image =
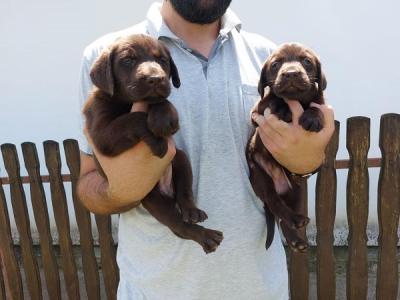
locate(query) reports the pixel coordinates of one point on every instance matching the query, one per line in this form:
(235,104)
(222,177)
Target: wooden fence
(358,140)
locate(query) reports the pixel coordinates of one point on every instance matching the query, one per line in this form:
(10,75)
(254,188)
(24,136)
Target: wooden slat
(299,276)
(41,214)
(345,163)
(388,207)
(325,212)
(358,141)
(2,286)
(108,256)
(59,200)
(21,215)
(90,268)
(339,164)
(9,260)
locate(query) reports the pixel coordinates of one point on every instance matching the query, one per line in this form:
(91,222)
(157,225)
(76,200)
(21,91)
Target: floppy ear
(263,82)
(176,81)
(101,72)
(173,73)
(321,79)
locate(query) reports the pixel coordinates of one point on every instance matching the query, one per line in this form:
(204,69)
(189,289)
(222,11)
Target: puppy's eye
(128,61)
(275,65)
(163,60)
(307,62)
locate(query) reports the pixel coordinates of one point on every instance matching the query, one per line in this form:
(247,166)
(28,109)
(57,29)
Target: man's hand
(298,150)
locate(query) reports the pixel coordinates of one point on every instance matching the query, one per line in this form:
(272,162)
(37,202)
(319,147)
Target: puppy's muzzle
(291,75)
(154,80)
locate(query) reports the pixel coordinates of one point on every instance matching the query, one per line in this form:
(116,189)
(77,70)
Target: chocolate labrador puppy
(291,72)
(138,68)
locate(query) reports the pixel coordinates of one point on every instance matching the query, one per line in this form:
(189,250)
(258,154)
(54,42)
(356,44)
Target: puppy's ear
(173,73)
(263,82)
(101,72)
(176,81)
(321,79)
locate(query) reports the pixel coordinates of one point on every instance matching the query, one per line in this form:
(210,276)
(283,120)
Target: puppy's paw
(163,127)
(158,145)
(298,245)
(210,240)
(300,221)
(193,215)
(312,120)
(296,221)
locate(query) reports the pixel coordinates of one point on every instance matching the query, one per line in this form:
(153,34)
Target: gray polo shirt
(213,103)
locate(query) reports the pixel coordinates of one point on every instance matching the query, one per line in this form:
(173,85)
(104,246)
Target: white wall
(41,44)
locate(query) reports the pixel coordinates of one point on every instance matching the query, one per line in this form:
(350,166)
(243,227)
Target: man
(219,66)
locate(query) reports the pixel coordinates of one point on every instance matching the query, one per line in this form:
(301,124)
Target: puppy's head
(136,68)
(293,72)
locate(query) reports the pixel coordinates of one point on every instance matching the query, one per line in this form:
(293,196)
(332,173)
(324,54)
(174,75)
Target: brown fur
(291,72)
(138,68)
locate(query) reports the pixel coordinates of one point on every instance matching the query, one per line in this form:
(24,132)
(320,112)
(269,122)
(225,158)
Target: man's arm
(131,176)
(298,150)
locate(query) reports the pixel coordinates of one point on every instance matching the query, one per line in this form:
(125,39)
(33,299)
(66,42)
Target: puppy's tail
(270,219)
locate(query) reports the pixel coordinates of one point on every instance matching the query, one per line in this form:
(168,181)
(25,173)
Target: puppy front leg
(182,178)
(163,119)
(280,108)
(112,137)
(312,119)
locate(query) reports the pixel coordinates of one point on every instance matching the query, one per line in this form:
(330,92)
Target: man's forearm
(95,194)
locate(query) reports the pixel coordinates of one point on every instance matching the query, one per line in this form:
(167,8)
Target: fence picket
(18,201)
(7,253)
(40,211)
(2,286)
(299,276)
(108,256)
(325,212)
(388,207)
(59,200)
(358,141)
(83,220)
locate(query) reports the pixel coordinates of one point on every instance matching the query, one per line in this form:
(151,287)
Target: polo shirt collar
(158,28)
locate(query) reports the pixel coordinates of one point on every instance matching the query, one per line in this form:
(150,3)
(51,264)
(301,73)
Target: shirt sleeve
(85,86)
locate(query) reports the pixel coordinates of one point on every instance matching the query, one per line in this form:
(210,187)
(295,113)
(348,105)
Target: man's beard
(201,11)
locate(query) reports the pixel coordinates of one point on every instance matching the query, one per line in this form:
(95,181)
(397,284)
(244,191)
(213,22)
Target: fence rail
(358,140)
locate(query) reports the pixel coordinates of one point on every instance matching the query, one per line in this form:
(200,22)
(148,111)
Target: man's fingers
(259,119)
(296,109)
(272,121)
(268,129)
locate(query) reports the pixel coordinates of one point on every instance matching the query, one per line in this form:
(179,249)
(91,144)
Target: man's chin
(193,11)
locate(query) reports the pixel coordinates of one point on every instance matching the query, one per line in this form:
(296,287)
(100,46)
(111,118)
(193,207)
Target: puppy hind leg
(263,186)
(183,180)
(164,209)
(294,241)
(293,200)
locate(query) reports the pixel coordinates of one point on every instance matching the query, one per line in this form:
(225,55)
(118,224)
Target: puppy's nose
(153,80)
(291,74)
